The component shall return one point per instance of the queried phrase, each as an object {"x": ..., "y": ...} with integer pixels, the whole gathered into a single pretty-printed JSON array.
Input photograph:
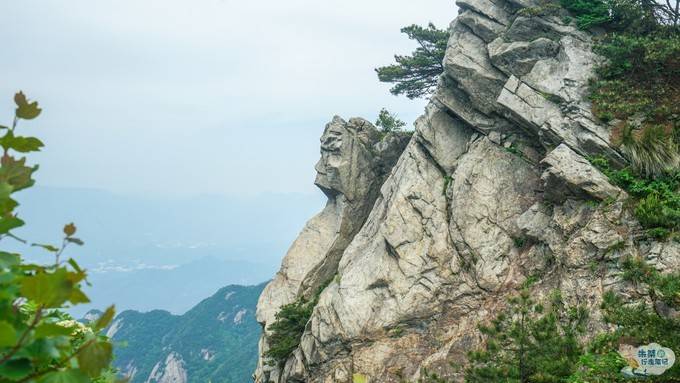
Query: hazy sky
[{"x": 168, "y": 97}]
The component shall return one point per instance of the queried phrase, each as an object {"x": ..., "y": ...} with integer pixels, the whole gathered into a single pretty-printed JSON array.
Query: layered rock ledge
[{"x": 492, "y": 188}]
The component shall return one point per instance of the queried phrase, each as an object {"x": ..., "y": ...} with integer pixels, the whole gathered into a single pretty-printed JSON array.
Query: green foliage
[
  {"x": 519, "y": 242},
  {"x": 639, "y": 86},
  {"x": 417, "y": 75},
  {"x": 631, "y": 16},
  {"x": 636, "y": 322},
  {"x": 389, "y": 122},
  {"x": 656, "y": 202},
  {"x": 529, "y": 343},
  {"x": 287, "y": 329},
  {"x": 588, "y": 13},
  {"x": 216, "y": 339},
  {"x": 638, "y": 83},
  {"x": 38, "y": 341}
]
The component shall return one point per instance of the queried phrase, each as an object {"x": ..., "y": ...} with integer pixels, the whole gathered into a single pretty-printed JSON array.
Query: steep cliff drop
[
  {"x": 499, "y": 155},
  {"x": 355, "y": 160}
]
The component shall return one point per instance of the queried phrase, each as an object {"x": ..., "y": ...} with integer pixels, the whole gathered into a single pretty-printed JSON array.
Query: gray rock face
[
  {"x": 494, "y": 187},
  {"x": 355, "y": 160}
]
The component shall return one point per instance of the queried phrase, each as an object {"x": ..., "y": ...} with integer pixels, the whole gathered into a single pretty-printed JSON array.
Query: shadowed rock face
[
  {"x": 355, "y": 160},
  {"x": 499, "y": 155}
]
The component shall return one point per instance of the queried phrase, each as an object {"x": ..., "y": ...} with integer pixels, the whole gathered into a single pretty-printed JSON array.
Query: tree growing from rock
[
  {"x": 416, "y": 75},
  {"x": 389, "y": 122},
  {"x": 529, "y": 343}
]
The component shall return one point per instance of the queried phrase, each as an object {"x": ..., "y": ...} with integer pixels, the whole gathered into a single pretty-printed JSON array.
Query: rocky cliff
[{"x": 492, "y": 188}]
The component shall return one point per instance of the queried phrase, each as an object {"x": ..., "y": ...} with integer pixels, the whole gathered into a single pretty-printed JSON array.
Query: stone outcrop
[
  {"x": 355, "y": 160},
  {"x": 493, "y": 187}
]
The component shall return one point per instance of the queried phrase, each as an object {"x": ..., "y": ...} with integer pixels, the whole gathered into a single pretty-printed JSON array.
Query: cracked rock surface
[{"x": 493, "y": 187}]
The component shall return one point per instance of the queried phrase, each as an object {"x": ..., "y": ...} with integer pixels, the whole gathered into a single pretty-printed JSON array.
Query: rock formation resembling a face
[{"x": 330, "y": 177}]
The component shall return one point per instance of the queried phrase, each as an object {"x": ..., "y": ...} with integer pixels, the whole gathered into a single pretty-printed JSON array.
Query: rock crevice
[{"x": 425, "y": 240}]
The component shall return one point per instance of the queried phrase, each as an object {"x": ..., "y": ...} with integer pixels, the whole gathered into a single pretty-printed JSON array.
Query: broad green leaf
[
  {"x": 8, "y": 223},
  {"x": 67, "y": 376},
  {"x": 25, "y": 109},
  {"x": 359, "y": 378},
  {"x": 77, "y": 297},
  {"x": 105, "y": 319},
  {"x": 70, "y": 229},
  {"x": 44, "y": 350},
  {"x": 16, "y": 173},
  {"x": 48, "y": 289},
  {"x": 95, "y": 357},
  {"x": 7, "y": 204},
  {"x": 8, "y": 260},
  {"x": 50, "y": 248},
  {"x": 8, "y": 335},
  {"x": 76, "y": 276},
  {"x": 52, "y": 329},
  {"x": 15, "y": 369},
  {"x": 20, "y": 144}
]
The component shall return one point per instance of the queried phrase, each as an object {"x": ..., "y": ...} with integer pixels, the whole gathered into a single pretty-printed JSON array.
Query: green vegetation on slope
[
  {"x": 217, "y": 339},
  {"x": 38, "y": 341},
  {"x": 637, "y": 89},
  {"x": 638, "y": 86},
  {"x": 287, "y": 329},
  {"x": 646, "y": 318},
  {"x": 656, "y": 201},
  {"x": 529, "y": 343}
]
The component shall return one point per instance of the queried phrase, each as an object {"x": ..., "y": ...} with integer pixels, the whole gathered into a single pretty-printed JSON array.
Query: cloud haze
[{"x": 179, "y": 97}]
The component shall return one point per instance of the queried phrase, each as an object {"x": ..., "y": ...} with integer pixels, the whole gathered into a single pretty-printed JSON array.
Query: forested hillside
[{"x": 216, "y": 341}]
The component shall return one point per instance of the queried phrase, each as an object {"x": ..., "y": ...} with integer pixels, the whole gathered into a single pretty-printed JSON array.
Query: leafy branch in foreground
[
  {"x": 417, "y": 75},
  {"x": 38, "y": 341}
]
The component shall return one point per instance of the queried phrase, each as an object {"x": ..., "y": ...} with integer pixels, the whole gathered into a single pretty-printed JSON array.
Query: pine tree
[
  {"x": 652, "y": 316},
  {"x": 416, "y": 75},
  {"x": 529, "y": 343}
]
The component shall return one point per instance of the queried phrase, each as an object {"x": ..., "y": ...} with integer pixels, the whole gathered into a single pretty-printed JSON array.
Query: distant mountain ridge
[
  {"x": 137, "y": 263},
  {"x": 215, "y": 341}
]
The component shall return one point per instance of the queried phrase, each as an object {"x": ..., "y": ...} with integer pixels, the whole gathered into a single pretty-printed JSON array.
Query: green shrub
[
  {"x": 589, "y": 13},
  {"x": 634, "y": 322},
  {"x": 389, "y": 122},
  {"x": 638, "y": 82},
  {"x": 38, "y": 341},
  {"x": 287, "y": 329},
  {"x": 656, "y": 201},
  {"x": 638, "y": 85}
]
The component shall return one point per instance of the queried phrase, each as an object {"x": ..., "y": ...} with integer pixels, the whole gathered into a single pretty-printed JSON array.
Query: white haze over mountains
[
  {"x": 166, "y": 253},
  {"x": 185, "y": 97},
  {"x": 181, "y": 135}
]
